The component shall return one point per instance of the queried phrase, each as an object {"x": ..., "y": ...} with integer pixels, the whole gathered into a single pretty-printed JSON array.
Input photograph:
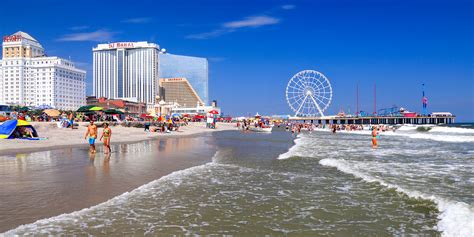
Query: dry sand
[{"x": 63, "y": 137}]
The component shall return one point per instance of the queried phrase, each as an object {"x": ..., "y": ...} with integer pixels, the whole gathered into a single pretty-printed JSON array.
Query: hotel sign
[
  {"x": 121, "y": 45},
  {"x": 12, "y": 38},
  {"x": 173, "y": 79}
]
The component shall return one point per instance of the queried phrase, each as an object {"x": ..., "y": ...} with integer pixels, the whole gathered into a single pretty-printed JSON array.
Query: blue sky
[{"x": 254, "y": 47}]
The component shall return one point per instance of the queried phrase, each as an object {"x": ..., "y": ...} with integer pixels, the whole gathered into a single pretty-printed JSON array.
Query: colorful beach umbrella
[
  {"x": 85, "y": 108},
  {"x": 96, "y": 108},
  {"x": 52, "y": 112},
  {"x": 213, "y": 111},
  {"x": 112, "y": 111}
]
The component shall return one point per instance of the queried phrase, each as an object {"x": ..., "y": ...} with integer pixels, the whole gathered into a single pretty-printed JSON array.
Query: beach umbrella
[
  {"x": 85, "y": 108},
  {"x": 112, "y": 111},
  {"x": 44, "y": 106},
  {"x": 96, "y": 108},
  {"x": 52, "y": 112},
  {"x": 176, "y": 115},
  {"x": 23, "y": 109},
  {"x": 213, "y": 111}
]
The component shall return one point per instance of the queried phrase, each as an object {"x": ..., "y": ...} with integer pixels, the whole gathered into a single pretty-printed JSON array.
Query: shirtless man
[{"x": 92, "y": 133}]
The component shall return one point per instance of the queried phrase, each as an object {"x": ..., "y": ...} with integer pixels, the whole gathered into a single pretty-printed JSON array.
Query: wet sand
[
  {"x": 63, "y": 137},
  {"x": 48, "y": 183}
]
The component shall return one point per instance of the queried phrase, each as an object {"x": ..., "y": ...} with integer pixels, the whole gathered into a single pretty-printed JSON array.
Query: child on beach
[
  {"x": 106, "y": 134},
  {"x": 92, "y": 133}
]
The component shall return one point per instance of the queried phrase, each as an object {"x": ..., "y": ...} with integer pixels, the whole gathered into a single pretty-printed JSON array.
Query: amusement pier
[
  {"x": 436, "y": 118},
  {"x": 309, "y": 94}
]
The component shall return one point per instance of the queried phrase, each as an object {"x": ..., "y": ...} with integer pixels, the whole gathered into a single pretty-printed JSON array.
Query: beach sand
[
  {"x": 41, "y": 179},
  {"x": 63, "y": 137}
]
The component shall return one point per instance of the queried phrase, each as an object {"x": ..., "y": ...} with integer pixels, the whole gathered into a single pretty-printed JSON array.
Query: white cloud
[
  {"x": 231, "y": 26},
  {"x": 97, "y": 36},
  {"x": 207, "y": 35},
  {"x": 137, "y": 20},
  {"x": 252, "y": 21},
  {"x": 79, "y": 27},
  {"x": 288, "y": 7}
]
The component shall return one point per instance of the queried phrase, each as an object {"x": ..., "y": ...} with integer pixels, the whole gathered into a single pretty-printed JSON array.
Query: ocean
[{"x": 418, "y": 182}]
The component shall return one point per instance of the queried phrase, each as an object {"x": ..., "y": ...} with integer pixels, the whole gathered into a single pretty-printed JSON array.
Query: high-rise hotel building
[
  {"x": 126, "y": 70},
  {"x": 131, "y": 71},
  {"x": 30, "y": 78},
  {"x": 193, "y": 69}
]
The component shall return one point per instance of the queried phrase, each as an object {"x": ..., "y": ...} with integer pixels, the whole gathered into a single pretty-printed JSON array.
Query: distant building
[
  {"x": 30, "y": 78},
  {"x": 180, "y": 91},
  {"x": 126, "y": 70},
  {"x": 131, "y": 71},
  {"x": 194, "y": 69},
  {"x": 131, "y": 108}
]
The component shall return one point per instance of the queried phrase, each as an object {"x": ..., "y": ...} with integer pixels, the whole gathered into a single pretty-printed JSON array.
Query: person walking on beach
[
  {"x": 92, "y": 133},
  {"x": 374, "y": 137},
  {"x": 71, "y": 120},
  {"x": 106, "y": 134}
]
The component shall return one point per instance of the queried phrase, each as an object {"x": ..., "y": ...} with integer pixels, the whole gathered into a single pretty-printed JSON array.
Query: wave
[
  {"x": 52, "y": 224},
  {"x": 442, "y": 129},
  {"x": 292, "y": 150},
  {"x": 436, "y": 133},
  {"x": 455, "y": 218},
  {"x": 434, "y": 137}
]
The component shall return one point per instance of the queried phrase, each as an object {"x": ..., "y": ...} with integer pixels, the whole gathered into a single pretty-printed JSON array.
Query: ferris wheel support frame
[{"x": 317, "y": 106}]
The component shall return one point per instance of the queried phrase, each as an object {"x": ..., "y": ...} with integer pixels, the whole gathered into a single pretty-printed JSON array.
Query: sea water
[{"x": 417, "y": 182}]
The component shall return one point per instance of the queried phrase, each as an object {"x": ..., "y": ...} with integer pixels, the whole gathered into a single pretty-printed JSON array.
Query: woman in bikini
[
  {"x": 106, "y": 134},
  {"x": 374, "y": 137}
]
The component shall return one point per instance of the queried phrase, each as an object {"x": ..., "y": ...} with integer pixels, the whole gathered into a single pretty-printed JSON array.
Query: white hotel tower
[
  {"x": 30, "y": 78},
  {"x": 126, "y": 70}
]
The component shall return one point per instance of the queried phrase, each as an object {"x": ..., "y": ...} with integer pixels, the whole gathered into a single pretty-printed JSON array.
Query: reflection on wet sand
[{"x": 44, "y": 184}]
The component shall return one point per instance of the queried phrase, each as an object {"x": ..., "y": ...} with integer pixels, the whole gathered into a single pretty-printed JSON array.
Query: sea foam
[{"x": 456, "y": 218}]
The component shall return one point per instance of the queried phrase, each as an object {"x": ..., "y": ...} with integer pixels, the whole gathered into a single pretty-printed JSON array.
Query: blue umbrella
[{"x": 44, "y": 106}]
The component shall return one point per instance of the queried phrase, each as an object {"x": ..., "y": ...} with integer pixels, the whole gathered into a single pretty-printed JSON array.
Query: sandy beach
[
  {"x": 62, "y": 137},
  {"x": 59, "y": 175}
]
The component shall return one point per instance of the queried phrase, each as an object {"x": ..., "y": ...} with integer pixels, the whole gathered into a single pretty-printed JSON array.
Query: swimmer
[{"x": 374, "y": 137}]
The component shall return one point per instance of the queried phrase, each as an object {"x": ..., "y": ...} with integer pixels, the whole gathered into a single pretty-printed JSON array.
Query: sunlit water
[{"x": 415, "y": 183}]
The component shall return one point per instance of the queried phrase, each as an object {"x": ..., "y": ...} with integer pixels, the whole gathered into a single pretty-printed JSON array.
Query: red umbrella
[{"x": 213, "y": 112}]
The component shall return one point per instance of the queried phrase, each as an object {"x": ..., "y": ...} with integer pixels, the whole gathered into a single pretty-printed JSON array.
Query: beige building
[
  {"x": 30, "y": 78},
  {"x": 180, "y": 92}
]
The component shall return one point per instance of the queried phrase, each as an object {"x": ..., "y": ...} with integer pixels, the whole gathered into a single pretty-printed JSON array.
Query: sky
[{"x": 255, "y": 47}]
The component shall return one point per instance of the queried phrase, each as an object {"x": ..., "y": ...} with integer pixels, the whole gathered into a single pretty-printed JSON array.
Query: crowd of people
[{"x": 298, "y": 127}]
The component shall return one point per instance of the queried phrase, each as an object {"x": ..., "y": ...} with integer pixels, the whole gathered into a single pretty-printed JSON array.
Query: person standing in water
[
  {"x": 374, "y": 137},
  {"x": 106, "y": 134},
  {"x": 92, "y": 133}
]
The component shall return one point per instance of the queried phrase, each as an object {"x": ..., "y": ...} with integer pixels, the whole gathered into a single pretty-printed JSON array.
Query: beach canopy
[
  {"x": 85, "y": 108},
  {"x": 213, "y": 111},
  {"x": 12, "y": 129},
  {"x": 52, "y": 112},
  {"x": 176, "y": 115},
  {"x": 113, "y": 111}
]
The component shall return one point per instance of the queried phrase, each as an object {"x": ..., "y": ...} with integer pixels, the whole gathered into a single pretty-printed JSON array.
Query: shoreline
[
  {"x": 67, "y": 180},
  {"x": 73, "y": 138}
]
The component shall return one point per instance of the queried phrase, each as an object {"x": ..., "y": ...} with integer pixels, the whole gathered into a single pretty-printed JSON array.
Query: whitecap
[{"x": 456, "y": 218}]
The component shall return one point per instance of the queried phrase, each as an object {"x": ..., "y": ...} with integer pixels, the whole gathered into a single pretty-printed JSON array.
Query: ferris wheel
[{"x": 309, "y": 93}]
